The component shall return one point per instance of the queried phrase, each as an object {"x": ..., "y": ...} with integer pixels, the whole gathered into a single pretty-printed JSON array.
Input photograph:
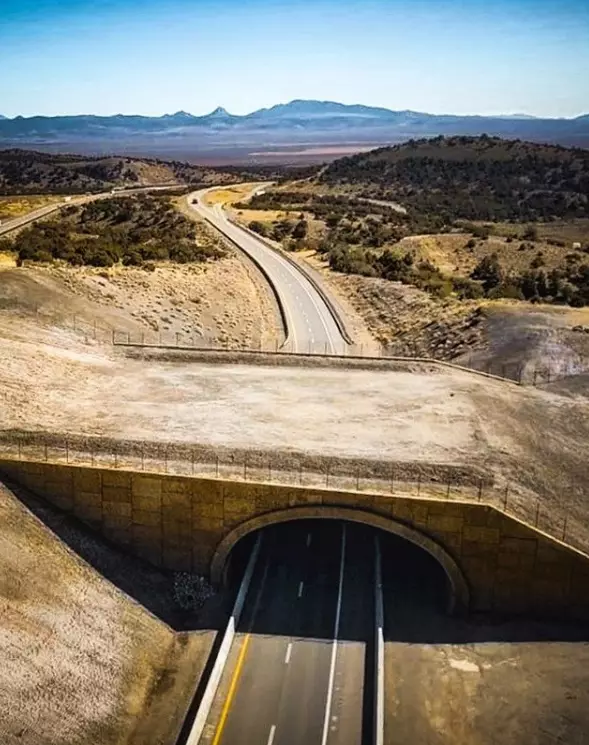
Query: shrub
[{"x": 258, "y": 227}]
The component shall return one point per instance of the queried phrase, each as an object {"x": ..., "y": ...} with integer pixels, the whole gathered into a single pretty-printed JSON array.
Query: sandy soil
[
  {"x": 50, "y": 380},
  {"x": 81, "y": 662},
  {"x": 221, "y": 300}
]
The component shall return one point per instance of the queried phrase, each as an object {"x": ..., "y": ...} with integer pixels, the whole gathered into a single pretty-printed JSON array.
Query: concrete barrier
[
  {"x": 378, "y": 733},
  {"x": 206, "y": 703}
]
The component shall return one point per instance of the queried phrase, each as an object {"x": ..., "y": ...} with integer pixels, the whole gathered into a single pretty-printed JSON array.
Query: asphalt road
[
  {"x": 311, "y": 326},
  {"x": 298, "y": 669}
]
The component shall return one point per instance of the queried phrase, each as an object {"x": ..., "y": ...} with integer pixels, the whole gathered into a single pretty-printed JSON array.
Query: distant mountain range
[{"x": 298, "y": 123}]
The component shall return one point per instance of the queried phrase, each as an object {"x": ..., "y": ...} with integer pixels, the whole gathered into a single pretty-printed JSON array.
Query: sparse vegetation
[
  {"x": 134, "y": 230},
  {"x": 474, "y": 178},
  {"x": 466, "y": 186},
  {"x": 30, "y": 172}
]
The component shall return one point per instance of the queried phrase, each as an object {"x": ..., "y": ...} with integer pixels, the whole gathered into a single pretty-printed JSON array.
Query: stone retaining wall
[{"x": 188, "y": 523}]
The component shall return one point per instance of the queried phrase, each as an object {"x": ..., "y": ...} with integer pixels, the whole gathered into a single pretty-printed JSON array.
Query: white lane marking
[
  {"x": 288, "y": 653},
  {"x": 338, "y": 611},
  {"x": 301, "y": 588},
  {"x": 308, "y": 539},
  {"x": 271, "y": 735}
]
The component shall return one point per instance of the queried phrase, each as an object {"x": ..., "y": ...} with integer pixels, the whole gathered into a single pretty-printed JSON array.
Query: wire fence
[
  {"x": 388, "y": 479},
  {"x": 524, "y": 373}
]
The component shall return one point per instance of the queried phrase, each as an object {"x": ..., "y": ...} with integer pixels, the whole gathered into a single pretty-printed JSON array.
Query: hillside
[
  {"x": 81, "y": 661},
  {"x": 31, "y": 172},
  {"x": 463, "y": 217},
  {"x": 132, "y": 229},
  {"x": 476, "y": 178}
]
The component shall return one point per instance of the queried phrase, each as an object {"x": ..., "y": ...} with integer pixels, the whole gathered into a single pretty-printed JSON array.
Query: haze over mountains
[{"x": 300, "y": 123}]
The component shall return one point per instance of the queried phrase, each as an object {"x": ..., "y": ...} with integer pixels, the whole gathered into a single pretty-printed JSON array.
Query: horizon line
[{"x": 521, "y": 114}]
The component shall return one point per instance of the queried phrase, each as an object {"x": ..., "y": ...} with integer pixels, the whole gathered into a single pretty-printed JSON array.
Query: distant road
[
  {"x": 311, "y": 325},
  {"x": 297, "y": 675},
  {"x": 19, "y": 222}
]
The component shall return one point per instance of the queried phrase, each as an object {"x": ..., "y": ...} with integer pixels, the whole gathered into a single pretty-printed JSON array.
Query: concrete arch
[{"x": 459, "y": 593}]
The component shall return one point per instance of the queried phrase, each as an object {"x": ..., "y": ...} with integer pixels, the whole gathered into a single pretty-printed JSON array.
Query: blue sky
[{"x": 441, "y": 56}]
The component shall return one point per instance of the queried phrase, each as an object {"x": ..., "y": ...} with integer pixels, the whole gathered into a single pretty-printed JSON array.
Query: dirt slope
[{"x": 81, "y": 662}]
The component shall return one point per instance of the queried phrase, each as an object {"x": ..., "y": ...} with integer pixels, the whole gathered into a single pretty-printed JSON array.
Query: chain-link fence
[
  {"x": 389, "y": 479},
  {"x": 97, "y": 329}
]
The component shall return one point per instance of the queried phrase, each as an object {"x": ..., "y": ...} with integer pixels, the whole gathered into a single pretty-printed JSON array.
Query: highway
[
  {"x": 310, "y": 324},
  {"x": 300, "y": 670}
]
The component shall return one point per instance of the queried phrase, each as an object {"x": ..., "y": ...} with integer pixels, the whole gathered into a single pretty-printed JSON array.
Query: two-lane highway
[
  {"x": 297, "y": 673},
  {"x": 310, "y": 323}
]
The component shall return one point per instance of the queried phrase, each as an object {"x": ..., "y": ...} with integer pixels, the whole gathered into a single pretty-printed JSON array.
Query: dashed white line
[
  {"x": 301, "y": 588},
  {"x": 326, "y": 721},
  {"x": 271, "y": 735},
  {"x": 288, "y": 653}
]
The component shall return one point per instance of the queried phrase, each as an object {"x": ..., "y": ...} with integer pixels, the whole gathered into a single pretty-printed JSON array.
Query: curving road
[{"x": 311, "y": 327}]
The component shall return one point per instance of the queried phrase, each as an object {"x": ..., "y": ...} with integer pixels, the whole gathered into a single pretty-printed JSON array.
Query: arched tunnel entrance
[
  {"x": 409, "y": 557},
  {"x": 310, "y": 623}
]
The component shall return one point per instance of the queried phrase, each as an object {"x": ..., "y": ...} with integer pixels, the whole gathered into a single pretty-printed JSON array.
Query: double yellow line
[{"x": 232, "y": 690}]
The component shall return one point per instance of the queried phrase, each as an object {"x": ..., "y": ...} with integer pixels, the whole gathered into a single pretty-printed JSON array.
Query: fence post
[
  {"x": 19, "y": 450},
  {"x": 269, "y": 469},
  {"x": 116, "y": 458},
  {"x": 113, "y": 337},
  {"x": 327, "y": 478},
  {"x": 537, "y": 512},
  {"x": 166, "y": 460},
  {"x": 418, "y": 484},
  {"x": 392, "y": 479},
  {"x": 192, "y": 462},
  {"x": 535, "y": 376},
  {"x": 217, "y": 466},
  {"x": 45, "y": 453},
  {"x": 300, "y": 473},
  {"x": 67, "y": 451},
  {"x": 564, "y": 528},
  {"x": 143, "y": 457},
  {"x": 358, "y": 478},
  {"x": 448, "y": 490},
  {"x": 480, "y": 490},
  {"x": 505, "y": 498}
]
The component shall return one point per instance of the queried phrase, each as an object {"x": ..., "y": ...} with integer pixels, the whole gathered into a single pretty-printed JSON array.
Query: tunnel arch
[{"x": 459, "y": 598}]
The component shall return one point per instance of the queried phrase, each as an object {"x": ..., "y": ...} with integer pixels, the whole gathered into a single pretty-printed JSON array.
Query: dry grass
[
  {"x": 230, "y": 194},
  {"x": 11, "y": 207},
  {"x": 449, "y": 252}
]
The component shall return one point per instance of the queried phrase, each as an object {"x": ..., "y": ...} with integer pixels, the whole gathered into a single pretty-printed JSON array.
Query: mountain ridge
[{"x": 299, "y": 121}]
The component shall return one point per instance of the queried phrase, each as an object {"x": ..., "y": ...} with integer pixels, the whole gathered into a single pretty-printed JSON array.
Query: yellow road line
[{"x": 232, "y": 689}]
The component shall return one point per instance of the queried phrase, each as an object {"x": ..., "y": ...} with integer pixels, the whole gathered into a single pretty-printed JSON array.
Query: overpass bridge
[
  {"x": 493, "y": 561},
  {"x": 305, "y": 660}
]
